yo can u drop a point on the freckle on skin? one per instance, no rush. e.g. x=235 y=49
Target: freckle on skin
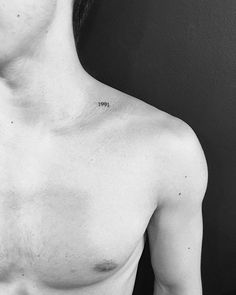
x=180 y=194
x=18 y=15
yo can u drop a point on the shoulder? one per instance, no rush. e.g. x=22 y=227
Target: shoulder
x=179 y=158
x=172 y=147
x=156 y=128
x=160 y=130
x=184 y=164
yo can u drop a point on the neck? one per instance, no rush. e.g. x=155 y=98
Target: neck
x=46 y=85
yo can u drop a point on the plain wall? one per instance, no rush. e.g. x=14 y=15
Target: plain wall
x=179 y=56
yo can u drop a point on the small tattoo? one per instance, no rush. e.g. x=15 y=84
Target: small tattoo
x=104 y=104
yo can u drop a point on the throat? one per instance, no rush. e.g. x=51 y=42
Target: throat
x=51 y=99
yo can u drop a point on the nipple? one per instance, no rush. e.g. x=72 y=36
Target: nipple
x=105 y=266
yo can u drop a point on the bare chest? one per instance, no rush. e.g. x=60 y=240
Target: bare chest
x=69 y=215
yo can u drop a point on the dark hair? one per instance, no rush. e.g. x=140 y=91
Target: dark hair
x=80 y=13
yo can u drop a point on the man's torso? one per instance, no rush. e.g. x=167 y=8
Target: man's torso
x=74 y=207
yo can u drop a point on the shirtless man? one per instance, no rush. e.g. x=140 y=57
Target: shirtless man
x=85 y=169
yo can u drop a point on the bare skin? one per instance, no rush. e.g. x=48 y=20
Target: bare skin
x=85 y=170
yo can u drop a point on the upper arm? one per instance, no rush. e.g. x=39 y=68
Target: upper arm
x=175 y=229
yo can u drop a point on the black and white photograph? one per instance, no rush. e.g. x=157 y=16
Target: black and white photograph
x=117 y=147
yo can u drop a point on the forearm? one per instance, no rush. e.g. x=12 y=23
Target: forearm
x=177 y=290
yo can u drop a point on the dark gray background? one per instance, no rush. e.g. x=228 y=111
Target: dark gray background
x=179 y=56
